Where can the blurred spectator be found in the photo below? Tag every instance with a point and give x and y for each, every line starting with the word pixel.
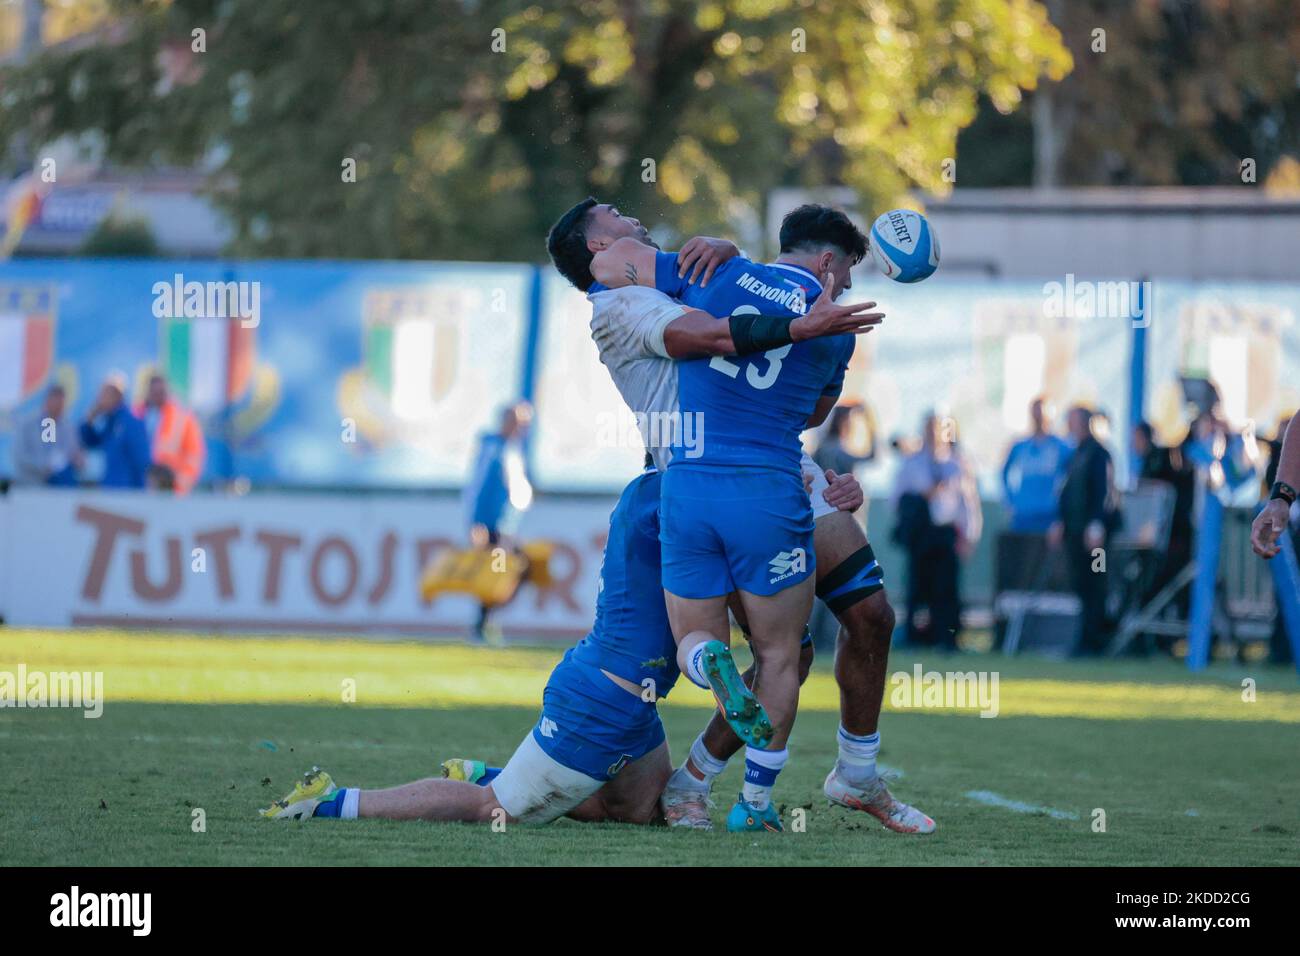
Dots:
pixel 499 491
pixel 1032 475
pixel 1086 518
pixel 175 437
pixel 1154 462
pixel 1157 463
pixel 939 522
pixel 1228 456
pixel 848 432
pixel 110 426
pixel 46 451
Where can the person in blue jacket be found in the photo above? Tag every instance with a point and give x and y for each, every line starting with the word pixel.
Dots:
pixel 1033 474
pixel 110 427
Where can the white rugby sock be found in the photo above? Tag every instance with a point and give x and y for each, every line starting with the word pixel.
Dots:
pixel 351 799
pixel 857 763
pixel 705 762
pixel 695 666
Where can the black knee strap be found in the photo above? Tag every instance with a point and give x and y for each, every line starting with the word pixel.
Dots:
pixel 856 577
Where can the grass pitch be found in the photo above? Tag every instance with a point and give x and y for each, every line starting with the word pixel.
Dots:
pixel 1186 771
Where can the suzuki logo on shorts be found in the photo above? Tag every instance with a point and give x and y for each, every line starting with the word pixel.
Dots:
pixel 548 727
pixel 787 564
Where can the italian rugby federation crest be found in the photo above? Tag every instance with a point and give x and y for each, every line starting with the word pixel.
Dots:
pixel 209 362
pixel 26 342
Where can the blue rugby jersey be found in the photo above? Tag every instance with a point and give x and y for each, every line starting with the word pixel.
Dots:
pixel 753 409
pixel 631 636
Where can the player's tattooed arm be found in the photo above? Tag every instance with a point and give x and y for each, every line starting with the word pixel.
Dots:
pixel 626 262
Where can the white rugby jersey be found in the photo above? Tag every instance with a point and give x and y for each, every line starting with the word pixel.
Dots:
pixel 627 326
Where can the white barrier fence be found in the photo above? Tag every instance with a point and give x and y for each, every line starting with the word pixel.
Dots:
pixel 274 563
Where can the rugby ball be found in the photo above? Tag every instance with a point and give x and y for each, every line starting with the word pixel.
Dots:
pixel 904 246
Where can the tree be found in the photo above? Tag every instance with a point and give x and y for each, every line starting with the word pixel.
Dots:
pixel 468 127
pixel 1163 92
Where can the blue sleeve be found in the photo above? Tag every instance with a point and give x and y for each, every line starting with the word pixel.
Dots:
pixel 666 278
pixel 91 437
pixel 1006 468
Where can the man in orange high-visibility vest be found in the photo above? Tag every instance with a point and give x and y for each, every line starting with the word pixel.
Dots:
pixel 175 437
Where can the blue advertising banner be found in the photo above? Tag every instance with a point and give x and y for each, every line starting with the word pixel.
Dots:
pixel 301 373
pixel 979 353
pixel 383 374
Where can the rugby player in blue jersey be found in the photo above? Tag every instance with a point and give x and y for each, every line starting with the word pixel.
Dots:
pixel 735 517
pixel 815 240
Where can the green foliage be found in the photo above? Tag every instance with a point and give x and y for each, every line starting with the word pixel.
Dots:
pixel 465 149
pixel 1183 92
pixel 121 237
pixel 1166 94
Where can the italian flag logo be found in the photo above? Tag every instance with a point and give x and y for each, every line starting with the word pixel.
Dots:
pixel 410 356
pixel 26 342
pixel 208 362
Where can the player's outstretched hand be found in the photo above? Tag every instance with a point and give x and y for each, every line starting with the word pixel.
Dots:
pixel 844 493
pixel 704 254
pixel 827 318
pixel 1268 528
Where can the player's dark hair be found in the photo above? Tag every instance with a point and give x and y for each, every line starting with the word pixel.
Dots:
pixel 812 227
pixel 567 244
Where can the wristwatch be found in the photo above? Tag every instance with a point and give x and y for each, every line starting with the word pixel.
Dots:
pixel 1284 491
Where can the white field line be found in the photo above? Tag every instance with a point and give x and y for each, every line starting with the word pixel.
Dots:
pixel 991 799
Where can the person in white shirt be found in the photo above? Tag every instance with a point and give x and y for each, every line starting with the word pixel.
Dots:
pixel 939 522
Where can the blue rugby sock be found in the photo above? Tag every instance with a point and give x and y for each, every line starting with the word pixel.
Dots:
pixel 761 769
pixel 333 807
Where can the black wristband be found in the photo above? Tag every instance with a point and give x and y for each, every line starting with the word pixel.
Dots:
pixel 758 333
pixel 1283 491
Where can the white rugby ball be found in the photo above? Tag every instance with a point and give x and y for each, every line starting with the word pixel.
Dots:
pixel 904 246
